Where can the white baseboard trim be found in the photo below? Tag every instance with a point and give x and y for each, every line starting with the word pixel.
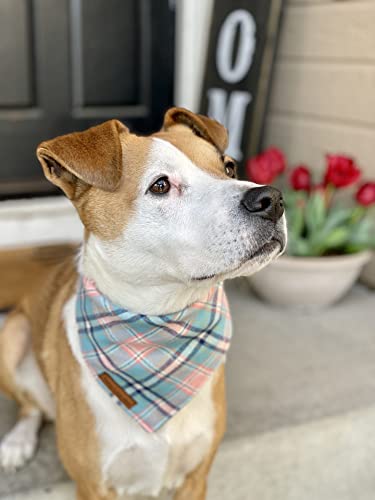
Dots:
pixel 38 221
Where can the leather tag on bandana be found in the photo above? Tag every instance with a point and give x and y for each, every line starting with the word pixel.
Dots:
pixel 127 400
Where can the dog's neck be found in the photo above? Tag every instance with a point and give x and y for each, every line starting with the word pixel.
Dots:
pixel 139 297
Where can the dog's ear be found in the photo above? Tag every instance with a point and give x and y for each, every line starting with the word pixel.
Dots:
pixel 202 126
pixel 82 159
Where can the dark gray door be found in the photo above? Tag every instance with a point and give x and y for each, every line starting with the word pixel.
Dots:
pixel 69 64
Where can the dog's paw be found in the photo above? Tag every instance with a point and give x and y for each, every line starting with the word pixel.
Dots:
pixel 14 454
pixel 19 445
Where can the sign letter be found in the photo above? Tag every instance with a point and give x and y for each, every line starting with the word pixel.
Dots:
pixel 233 69
pixel 231 113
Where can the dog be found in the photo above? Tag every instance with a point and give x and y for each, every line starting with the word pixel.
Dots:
pixel 166 221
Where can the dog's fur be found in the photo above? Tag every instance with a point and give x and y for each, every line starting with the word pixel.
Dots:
pixel 150 253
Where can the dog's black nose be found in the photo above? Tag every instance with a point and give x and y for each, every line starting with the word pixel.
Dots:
pixel 265 201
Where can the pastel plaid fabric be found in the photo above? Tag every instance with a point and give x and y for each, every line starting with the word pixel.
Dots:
pixel 161 362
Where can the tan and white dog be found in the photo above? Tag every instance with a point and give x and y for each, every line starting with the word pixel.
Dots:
pixel 164 221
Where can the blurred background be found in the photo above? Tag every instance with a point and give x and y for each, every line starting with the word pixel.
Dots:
pixel 294 83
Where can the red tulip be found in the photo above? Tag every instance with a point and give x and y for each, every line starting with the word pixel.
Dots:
pixel 300 178
pixel 341 171
pixel 264 167
pixel 366 194
pixel 277 159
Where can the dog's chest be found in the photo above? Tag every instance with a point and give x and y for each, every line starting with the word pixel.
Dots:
pixel 134 461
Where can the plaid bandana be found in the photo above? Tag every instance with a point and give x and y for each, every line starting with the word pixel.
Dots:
pixel 152 365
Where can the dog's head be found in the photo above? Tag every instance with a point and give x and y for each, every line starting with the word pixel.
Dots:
pixel 166 208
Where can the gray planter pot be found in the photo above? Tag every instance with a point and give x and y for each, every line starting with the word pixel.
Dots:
pixel 368 273
pixel 308 281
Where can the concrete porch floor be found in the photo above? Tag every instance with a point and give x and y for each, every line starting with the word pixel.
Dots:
pixel 301 398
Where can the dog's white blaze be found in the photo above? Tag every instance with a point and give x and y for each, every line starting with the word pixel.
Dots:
pixel 134 461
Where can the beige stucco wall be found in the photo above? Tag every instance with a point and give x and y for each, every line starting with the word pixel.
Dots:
pixel 323 92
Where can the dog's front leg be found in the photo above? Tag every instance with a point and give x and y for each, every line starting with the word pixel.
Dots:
pixel 195 485
pixel 86 493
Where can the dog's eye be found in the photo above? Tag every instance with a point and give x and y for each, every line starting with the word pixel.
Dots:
pixel 230 168
pixel 161 186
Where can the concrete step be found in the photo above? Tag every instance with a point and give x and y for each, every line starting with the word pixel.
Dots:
pixel 301 423
pixel 331 459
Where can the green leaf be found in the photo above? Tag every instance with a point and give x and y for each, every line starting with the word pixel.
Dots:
pixel 296 220
pixel 315 213
pixel 363 230
pixel 336 238
pixel 337 217
pixel 295 203
pixel 298 247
